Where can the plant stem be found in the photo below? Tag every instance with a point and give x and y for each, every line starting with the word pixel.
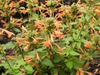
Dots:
pixel 21 53
pixel 8 63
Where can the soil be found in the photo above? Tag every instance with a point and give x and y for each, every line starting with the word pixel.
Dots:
pixel 94 66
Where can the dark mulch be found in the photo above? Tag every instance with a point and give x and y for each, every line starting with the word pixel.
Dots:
pixel 94 66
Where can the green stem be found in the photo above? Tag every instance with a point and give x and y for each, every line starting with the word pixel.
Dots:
pixel 21 52
pixel 8 63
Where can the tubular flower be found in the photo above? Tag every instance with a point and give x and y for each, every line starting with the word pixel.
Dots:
pixel 59 34
pixel 87 45
pixel 97 12
pixel 6 31
pixel 26 48
pixel 39 25
pixel 47 43
pixel 10 57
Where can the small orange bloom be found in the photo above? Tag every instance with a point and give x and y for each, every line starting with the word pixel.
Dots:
pixel 13 10
pixel 26 48
pixel 97 12
pixel 92 34
pixel 23 35
pixel 59 48
pixel 59 34
pixel 35 41
pixel 20 1
pixel 6 31
pixel 6 5
pixel 89 73
pixel 57 24
pixel 10 57
pixel 22 70
pixel 47 43
pixel 12 4
pixel 23 11
pixel 87 45
pixel 38 57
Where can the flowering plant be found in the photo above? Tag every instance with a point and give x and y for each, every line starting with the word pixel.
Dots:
pixel 50 38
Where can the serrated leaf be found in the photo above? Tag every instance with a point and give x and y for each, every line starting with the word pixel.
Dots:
pixel 9 45
pixel 47 62
pixel 56 58
pixel 29 69
pixel 87 17
pixel 20 62
pixel 16 30
pixel 73 53
pixel 69 64
pixel 74 23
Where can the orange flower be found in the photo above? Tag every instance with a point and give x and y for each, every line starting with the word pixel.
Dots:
pixel 23 11
pixel 12 4
pixel 59 34
pixel 6 31
pixel 31 63
pixel 89 73
pixel 92 34
pixel 59 48
pixel 26 48
pixel 20 1
pixel 27 58
pixel 35 1
pixel 38 57
pixel 39 24
pixel 23 35
pixel 87 45
pixel 47 43
pixel 10 57
pixel 34 41
pixel 13 10
pixel 57 24
pixel 22 70
pixel 97 12
pixel 77 73
pixel 6 5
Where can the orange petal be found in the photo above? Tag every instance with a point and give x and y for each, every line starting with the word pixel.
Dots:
pixel 47 43
pixel 38 57
pixel 97 12
pixel 87 45
pixel 10 57
pixel 59 34
pixel 26 48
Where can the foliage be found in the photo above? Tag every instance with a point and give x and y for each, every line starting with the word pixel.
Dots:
pixel 54 39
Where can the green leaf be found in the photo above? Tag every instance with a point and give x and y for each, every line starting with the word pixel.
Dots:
pixel 19 73
pixel 56 58
pixel 74 53
pixel 9 45
pixel 79 45
pixel 47 62
pixel 29 69
pixel 74 36
pixel 55 70
pixel 77 63
pixel 41 49
pixel 87 17
pixel 20 62
pixel 69 64
pixel 31 53
pixel 74 23
pixel 84 11
pixel 16 29
pixel 22 8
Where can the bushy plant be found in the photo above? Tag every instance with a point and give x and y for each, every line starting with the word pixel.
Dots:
pixel 54 39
